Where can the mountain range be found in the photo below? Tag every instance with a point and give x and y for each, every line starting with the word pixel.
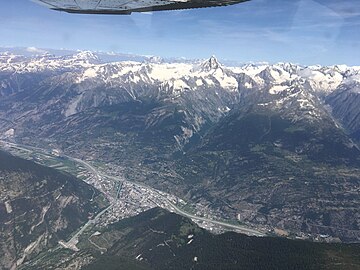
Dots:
pixel 274 146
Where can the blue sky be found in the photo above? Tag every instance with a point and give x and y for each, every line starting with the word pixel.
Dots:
pixel 300 31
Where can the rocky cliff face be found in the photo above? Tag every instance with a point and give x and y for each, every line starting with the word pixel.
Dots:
pixel 344 102
pixel 38 207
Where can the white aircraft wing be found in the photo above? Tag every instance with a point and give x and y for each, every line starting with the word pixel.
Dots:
pixel 129 6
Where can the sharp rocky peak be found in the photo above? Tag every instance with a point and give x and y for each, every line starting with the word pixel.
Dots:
pixel 211 64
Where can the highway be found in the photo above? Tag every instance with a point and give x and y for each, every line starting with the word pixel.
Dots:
pixel 73 241
pixel 173 207
pixel 239 228
pixel 181 212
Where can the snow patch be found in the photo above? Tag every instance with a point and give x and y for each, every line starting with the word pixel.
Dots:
pixel 248 85
pixel 89 73
pixel 227 82
pixel 199 82
pixel 72 108
pixel 35 50
pixel 8 207
pixel 277 89
pixel 353 79
pixel 166 72
pixel 180 85
pixel 10 132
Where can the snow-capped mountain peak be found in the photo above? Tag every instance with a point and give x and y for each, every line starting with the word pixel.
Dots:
pixel 87 56
pixel 210 65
